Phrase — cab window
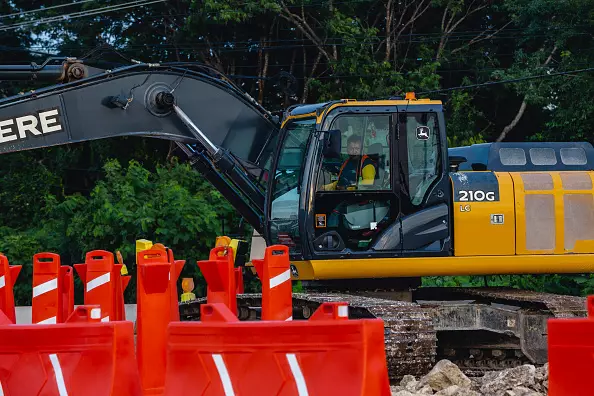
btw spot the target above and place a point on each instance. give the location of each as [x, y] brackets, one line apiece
[422, 146]
[364, 163]
[284, 211]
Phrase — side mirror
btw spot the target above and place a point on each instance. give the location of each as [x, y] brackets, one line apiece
[332, 143]
[455, 161]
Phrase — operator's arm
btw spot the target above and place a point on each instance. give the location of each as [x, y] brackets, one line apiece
[368, 174]
[330, 186]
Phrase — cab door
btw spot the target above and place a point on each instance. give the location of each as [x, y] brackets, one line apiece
[425, 192]
[356, 192]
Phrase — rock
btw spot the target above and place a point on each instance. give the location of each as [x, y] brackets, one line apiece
[455, 390]
[542, 373]
[425, 390]
[406, 379]
[403, 393]
[409, 383]
[538, 387]
[522, 391]
[449, 391]
[495, 384]
[443, 375]
[446, 379]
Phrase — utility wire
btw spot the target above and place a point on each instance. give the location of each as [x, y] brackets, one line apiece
[45, 8]
[513, 80]
[80, 14]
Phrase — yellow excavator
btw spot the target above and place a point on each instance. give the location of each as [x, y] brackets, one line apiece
[366, 194]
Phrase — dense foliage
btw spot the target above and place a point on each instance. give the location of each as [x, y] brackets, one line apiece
[104, 195]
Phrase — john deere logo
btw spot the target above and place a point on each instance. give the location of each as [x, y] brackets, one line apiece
[422, 132]
[294, 271]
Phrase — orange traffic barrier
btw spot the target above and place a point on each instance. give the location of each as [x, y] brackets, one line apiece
[153, 316]
[571, 354]
[8, 275]
[239, 280]
[67, 291]
[325, 355]
[53, 290]
[275, 274]
[219, 273]
[104, 284]
[176, 270]
[79, 357]
[121, 283]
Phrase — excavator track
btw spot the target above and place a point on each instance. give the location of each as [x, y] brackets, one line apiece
[485, 329]
[410, 339]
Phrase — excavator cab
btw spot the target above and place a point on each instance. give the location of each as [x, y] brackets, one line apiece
[361, 179]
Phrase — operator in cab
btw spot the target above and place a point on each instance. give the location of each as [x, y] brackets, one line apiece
[356, 169]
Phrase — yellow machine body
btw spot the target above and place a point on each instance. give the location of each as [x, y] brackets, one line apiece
[542, 222]
[544, 213]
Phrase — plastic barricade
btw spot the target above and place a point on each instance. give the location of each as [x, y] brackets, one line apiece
[176, 269]
[53, 290]
[66, 292]
[104, 284]
[239, 280]
[120, 310]
[274, 272]
[80, 357]
[8, 276]
[153, 316]
[326, 355]
[571, 354]
[219, 273]
[234, 245]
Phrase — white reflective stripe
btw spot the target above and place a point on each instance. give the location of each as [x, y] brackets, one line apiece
[343, 311]
[51, 320]
[45, 287]
[277, 280]
[289, 318]
[59, 377]
[296, 370]
[1, 390]
[2, 281]
[100, 280]
[95, 313]
[222, 369]
[105, 319]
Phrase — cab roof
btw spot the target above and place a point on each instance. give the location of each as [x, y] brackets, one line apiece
[300, 110]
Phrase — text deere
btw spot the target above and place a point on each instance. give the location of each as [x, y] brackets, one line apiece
[38, 124]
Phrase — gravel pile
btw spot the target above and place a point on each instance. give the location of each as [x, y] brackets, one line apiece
[446, 379]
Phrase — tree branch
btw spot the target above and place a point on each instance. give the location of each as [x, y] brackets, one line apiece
[304, 27]
[479, 38]
[522, 108]
[451, 26]
[307, 80]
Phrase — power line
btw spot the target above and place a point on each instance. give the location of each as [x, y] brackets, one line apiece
[45, 8]
[80, 14]
[513, 80]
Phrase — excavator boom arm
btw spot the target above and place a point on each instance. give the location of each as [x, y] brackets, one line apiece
[223, 130]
